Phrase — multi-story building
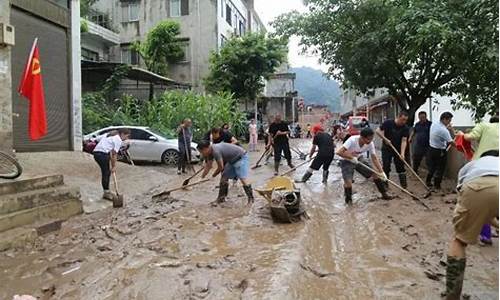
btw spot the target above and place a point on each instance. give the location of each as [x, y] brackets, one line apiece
[205, 26]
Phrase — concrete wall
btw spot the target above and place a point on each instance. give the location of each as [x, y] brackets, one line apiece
[5, 86]
[199, 27]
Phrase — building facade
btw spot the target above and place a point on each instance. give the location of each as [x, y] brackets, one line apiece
[205, 26]
[280, 96]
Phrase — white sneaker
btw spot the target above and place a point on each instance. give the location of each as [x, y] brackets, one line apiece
[108, 195]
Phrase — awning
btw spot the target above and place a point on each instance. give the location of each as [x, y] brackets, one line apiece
[135, 73]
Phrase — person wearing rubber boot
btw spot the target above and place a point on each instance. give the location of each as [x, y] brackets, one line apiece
[184, 139]
[354, 151]
[397, 132]
[326, 150]
[439, 140]
[232, 162]
[477, 204]
[278, 139]
[106, 155]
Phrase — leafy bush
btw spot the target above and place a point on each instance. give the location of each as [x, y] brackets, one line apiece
[165, 113]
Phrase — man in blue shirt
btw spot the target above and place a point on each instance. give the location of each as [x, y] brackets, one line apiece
[439, 139]
[421, 132]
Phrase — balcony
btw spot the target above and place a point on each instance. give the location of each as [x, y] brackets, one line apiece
[100, 34]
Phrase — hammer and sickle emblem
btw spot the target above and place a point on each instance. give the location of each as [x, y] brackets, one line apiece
[35, 66]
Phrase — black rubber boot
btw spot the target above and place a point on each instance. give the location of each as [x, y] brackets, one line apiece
[455, 270]
[223, 190]
[402, 180]
[276, 168]
[428, 181]
[290, 164]
[325, 176]
[381, 188]
[249, 192]
[348, 195]
[305, 177]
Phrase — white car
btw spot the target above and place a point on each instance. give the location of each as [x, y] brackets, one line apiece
[148, 145]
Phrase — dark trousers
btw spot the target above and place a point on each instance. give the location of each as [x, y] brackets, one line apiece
[387, 157]
[418, 154]
[322, 160]
[184, 158]
[436, 163]
[282, 147]
[102, 160]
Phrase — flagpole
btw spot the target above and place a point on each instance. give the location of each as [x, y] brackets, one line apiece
[30, 59]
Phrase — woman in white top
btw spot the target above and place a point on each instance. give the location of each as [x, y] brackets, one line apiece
[252, 129]
[105, 152]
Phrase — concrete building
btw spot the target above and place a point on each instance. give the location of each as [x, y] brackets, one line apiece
[56, 24]
[280, 96]
[205, 25]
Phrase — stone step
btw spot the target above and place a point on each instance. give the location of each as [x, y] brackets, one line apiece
[39, 197]
[56, 210]
[29, 184]
[25, 236]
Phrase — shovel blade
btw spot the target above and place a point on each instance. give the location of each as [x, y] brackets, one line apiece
[118, 201]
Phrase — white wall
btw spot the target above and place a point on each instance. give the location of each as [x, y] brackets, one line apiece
[461, 117]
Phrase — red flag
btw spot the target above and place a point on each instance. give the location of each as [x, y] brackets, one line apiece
[464, 146]
[31, 87]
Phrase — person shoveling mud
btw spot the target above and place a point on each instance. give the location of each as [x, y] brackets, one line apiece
[106, 155]
[232, 162]
[351, 153]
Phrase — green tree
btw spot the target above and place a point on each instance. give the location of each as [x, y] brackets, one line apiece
[243, 63]
[414, 48]
[161, 48]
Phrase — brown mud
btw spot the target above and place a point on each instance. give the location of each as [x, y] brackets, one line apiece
[182, 248]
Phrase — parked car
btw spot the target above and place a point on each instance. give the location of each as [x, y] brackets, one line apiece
[147, 145]
[355, 124]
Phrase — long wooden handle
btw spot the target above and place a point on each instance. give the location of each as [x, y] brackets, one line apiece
[262, 156]
[195, 173]
[297, 166]
[388, 142]
[396, 185]
[115, 182]
[183, 187]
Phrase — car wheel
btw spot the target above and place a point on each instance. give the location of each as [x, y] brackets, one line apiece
[170, 157]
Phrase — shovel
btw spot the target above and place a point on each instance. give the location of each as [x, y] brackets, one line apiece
[167, 192]
[301, 154]
[298, 166]
[186, 182]
[406, 163]
[396, 185]
[118, 199]
[257, 164]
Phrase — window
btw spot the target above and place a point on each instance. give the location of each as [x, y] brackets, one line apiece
[222, 40]
[90, 55]
[242, 28]
[175, 8]
[129, 56]
[185, 48]
[222, 8]
[130, 11]
[179, 8]
[229, 15]
[139, 134]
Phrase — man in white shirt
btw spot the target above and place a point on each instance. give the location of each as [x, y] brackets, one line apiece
[105, 152]
[477, 204]
[352, 153]
[439, 139]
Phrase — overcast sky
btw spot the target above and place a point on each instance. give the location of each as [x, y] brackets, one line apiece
[270, 9]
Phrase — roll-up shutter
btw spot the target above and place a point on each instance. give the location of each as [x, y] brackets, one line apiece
[53, 41]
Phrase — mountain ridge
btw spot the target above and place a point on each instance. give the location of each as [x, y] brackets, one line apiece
[316, 88]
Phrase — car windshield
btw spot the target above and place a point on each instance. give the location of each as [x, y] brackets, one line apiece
[163, 135]
[356, 123]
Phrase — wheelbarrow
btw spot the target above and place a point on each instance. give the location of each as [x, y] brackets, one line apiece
[284, 199]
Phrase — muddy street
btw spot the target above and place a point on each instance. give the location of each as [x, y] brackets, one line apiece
[182, 248]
